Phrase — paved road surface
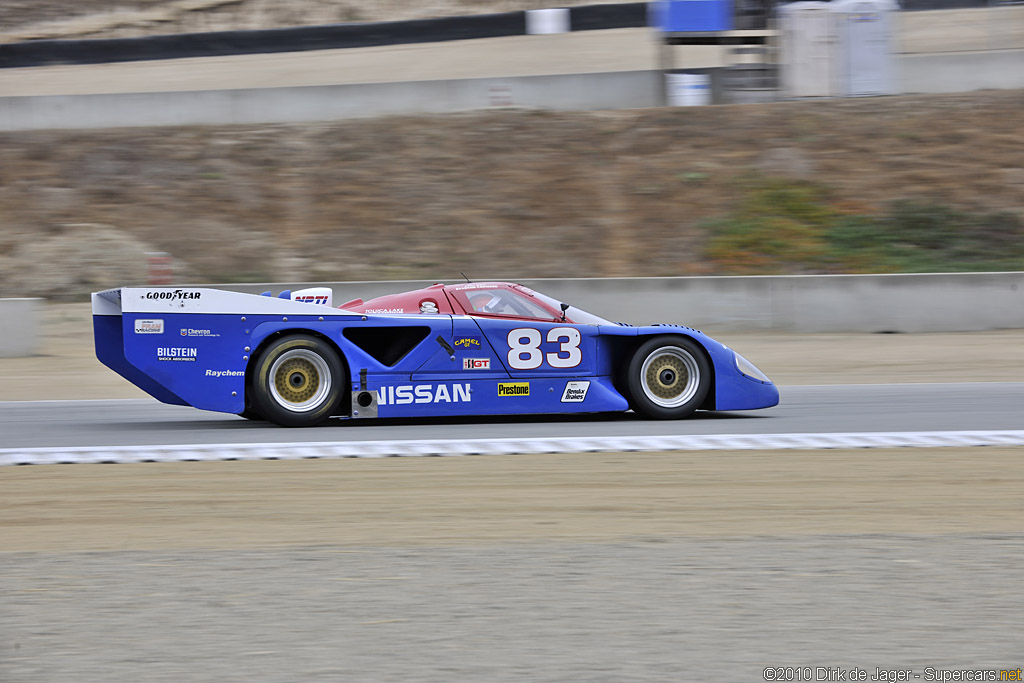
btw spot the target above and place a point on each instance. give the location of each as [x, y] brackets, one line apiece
[850, 408]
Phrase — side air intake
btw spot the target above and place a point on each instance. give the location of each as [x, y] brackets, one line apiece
[387, 345]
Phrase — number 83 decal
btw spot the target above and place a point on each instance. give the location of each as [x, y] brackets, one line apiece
[525, 354]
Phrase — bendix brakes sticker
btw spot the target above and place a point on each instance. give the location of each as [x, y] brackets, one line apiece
[575, 392]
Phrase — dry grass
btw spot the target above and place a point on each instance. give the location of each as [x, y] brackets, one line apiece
[502, 193]
[35, 19]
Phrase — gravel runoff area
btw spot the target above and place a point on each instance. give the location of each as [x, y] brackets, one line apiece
[664, 610]
[587, 567]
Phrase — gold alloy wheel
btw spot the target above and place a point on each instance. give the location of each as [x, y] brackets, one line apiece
[300, 380]
[670, 376]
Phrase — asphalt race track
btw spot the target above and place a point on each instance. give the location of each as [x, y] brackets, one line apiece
[804, 409]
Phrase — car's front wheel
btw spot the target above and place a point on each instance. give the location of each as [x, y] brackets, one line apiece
[668, 377]
[298, 381]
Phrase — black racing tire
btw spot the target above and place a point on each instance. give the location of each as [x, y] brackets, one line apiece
[298, 381]
[250, 414]
[668, 377]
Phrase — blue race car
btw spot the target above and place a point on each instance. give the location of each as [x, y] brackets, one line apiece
[479, 348]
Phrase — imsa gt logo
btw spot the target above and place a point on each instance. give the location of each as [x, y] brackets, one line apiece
[476, 363]
[514, 389]
[423, 393]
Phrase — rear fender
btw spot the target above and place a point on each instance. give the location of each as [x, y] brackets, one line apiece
[108, 336]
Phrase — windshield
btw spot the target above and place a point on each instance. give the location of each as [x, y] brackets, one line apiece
[499, 301]
[577, 315]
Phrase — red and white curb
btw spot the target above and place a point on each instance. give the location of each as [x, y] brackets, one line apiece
[453, 447]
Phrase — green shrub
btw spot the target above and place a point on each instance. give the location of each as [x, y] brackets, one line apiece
[788, 227]
[779, 228]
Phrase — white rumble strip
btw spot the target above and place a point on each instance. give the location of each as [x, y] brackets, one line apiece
[449, 447]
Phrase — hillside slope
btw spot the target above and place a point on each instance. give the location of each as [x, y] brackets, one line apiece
[493, 193]
[36, 19]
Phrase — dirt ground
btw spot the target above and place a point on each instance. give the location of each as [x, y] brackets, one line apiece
[78, 19]
[508, 499]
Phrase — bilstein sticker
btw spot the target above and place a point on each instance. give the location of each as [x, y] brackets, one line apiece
[176, 353]
[514, 389]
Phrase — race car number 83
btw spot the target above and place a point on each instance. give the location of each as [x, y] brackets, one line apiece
[524, 348]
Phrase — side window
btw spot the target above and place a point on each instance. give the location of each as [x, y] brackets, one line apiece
[502, 302]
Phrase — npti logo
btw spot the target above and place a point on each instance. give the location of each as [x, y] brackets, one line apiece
[312, 299]
[514, 389]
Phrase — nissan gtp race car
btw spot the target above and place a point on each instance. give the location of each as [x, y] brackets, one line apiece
[479, 348]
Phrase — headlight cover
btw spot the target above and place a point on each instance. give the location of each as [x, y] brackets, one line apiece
[749, 369]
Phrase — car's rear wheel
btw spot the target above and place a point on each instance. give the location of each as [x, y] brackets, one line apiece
[668, 377]
[298, 381]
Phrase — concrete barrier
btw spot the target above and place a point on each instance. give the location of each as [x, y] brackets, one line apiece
[960, 72]
[956, 302]
[954, 72]
[613, 90]
[19, 327]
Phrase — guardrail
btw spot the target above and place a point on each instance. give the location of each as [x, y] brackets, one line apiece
[303, 38]
[934, 302]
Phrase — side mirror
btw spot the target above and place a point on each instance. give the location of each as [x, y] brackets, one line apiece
[565, 307]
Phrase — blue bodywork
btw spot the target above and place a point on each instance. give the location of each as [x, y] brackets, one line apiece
[460, 365]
